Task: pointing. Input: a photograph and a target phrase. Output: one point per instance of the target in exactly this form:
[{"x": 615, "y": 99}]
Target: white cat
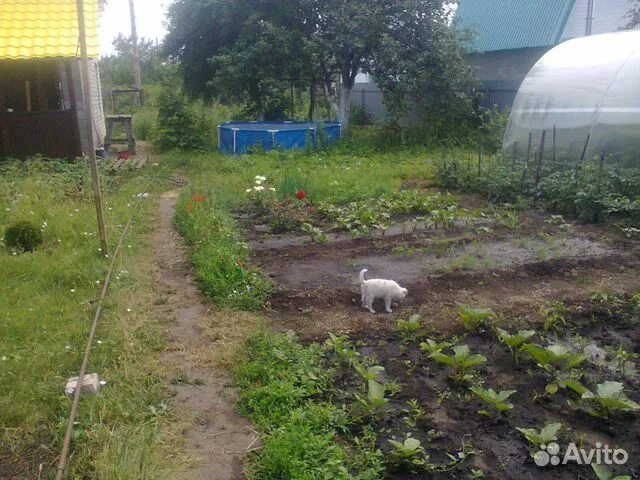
[{"x": 379, "y": 288}]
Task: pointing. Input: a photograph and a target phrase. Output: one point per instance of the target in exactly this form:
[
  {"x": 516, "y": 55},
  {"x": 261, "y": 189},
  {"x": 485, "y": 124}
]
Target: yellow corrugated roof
[{"x": 46, "y": 28}]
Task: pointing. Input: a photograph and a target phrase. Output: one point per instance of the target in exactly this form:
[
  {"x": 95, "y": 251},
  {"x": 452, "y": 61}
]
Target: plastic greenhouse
[{"x": 579, "y": 102}]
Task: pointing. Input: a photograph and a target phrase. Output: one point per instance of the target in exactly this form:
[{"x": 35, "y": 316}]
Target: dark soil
[
  {"x": 501, "y": 452},
  {"x": 513, "y": 271}
]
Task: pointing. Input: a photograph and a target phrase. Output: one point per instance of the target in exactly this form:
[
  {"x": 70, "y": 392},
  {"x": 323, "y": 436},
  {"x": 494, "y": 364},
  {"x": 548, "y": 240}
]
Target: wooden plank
[
  {"x": 119, "y": 163},
  {"x": 140, "y": 162}
]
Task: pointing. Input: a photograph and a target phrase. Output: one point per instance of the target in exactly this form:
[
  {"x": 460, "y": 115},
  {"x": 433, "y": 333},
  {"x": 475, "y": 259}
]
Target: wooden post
[
  {"x": 93, "y": 163},
  {"x": 136, "y": 54},
  {"x": 581, "y": 159},
  {"x": 528, "y": 157},
  {"x": 553, "y": 146},
  {"x": 539, "y": 159},
  {"x": 27, "y": 94}
]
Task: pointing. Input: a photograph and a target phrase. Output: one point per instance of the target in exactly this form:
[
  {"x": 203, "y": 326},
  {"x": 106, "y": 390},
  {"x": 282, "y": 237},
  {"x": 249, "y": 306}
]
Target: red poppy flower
[
  {"x": 240, "y": 263},
  {"x": 301, "y": 195},
  {"x": 199, "y": 198}
]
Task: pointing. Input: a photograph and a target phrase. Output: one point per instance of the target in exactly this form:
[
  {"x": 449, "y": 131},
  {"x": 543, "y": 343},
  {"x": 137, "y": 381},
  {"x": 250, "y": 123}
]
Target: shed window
[{"x": 30, "y": 86}]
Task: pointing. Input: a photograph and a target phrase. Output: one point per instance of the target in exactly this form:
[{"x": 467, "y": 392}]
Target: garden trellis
[{"x": 579, "y": 104}]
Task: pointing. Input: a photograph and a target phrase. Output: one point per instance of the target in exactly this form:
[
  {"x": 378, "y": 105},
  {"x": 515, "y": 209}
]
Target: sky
[{"x": 115, "y": 19}]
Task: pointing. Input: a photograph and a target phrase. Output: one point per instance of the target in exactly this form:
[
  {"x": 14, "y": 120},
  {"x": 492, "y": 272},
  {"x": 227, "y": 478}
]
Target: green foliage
[
  {"x": 371, "y": 373},
  {"x": 23, "y": 236},
  {"x": 555, "y": 315},
  {"x": 546, "y": 435},
  {"x": 474, "y": 319},
  {"x": 462, "y": 363},
  {"x": 621, "y": 358},
  {"x": 316, "y": 234},
  {"x": 431, "y": 346},
  {"x": 515, "y": 341},
  {"x": 410, "y": 452},
  {"x": 603, "y": 473},
  {"x": 558, "y": 362},
  {"x": 343, "y": 348},
  {"x": 362, "y": 216},
  {"x": 609, "y": 399},
  {"x": 178, "y": 126},
  {"x": 409, "y": 328},
  {"x": 220, "y": 256},
  {"x": 495, "y": 400},
  {"x": 47, "y": 300}
]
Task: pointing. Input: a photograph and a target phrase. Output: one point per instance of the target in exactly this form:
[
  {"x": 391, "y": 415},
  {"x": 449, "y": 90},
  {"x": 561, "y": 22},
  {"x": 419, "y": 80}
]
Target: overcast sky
[{"x": 115, "y": 19}]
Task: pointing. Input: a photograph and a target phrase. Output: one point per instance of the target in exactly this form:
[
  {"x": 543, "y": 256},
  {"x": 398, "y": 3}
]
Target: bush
[
  {"x": 178, "y": 125},
  {"x": 23, "y": 236}
]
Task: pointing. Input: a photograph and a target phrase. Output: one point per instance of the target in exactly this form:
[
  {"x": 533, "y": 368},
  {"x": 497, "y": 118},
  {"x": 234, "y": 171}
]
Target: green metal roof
[{"x": 511, "y": 24}]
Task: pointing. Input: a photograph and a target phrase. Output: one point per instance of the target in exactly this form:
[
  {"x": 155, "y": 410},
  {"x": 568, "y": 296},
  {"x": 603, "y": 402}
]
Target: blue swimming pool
[{"x": 240, "y": 137}]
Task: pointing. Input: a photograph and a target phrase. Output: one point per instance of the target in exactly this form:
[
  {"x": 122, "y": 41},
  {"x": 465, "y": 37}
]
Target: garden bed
[{"x": 522, "y": 265}]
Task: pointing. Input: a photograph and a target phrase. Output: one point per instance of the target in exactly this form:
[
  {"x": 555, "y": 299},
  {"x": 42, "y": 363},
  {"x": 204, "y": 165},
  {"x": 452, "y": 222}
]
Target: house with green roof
[{"x": 510, "y": 36}]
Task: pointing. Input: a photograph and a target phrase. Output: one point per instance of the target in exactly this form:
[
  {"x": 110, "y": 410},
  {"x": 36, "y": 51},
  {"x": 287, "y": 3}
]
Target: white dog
[{"x": 379, "y": 288}]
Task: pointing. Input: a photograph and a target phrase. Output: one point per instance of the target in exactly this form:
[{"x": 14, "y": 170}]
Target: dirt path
[{"x": 215, "y": 435}]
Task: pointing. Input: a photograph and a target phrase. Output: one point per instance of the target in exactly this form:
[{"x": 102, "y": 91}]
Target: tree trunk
[
  {"x": 344, "y": 107},
  {"x": 312, "y": 100}
]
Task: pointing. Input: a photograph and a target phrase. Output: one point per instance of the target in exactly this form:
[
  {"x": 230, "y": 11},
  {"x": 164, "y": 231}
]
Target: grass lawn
[{"x": 46, "y": 308}]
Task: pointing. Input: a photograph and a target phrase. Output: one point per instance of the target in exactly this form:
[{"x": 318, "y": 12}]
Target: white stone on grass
[{"x": 90, "y": 384}]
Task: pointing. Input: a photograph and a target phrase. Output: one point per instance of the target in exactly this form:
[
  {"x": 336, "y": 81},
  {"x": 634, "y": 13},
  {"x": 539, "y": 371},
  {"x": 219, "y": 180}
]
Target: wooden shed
[{"x": 41, "y": 95}]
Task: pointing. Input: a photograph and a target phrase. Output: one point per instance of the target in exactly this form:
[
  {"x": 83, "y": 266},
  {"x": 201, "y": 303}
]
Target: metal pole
[
  {"x": 136, "y": 53},
  {"x": 86, "y": 93}
]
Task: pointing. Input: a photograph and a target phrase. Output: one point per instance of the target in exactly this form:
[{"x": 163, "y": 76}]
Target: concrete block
[{"x": 90, "y": 384}]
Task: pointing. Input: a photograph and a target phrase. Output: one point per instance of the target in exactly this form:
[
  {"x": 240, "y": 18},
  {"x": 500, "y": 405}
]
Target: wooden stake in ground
[
  {"x": 95, "y": 179},
  {"x": 136, "y": 54}
]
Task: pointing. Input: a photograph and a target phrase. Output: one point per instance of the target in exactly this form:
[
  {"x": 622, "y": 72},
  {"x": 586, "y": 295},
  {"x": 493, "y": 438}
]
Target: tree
[
  {"x": 252, "y": 50},
  {"x": 633, "y": 14},
  {"x": 421, "y": 67}
]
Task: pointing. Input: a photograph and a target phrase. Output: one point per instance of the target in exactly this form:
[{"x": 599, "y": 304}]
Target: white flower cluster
[{"x": 258, "y": 186}]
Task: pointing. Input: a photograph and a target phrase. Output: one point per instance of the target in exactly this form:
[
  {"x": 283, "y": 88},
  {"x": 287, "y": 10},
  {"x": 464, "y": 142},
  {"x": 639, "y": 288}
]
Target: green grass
[
  {"x": 46, "y": 307},
  {"x": 283, "y": 386}
]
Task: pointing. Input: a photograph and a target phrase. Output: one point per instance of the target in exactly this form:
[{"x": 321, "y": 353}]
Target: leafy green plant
[
  {"x": 375, "y": 396},
  {"x": 555, "y": 315},
  {"x": 604, "y": 473},
  {"x": 474, "y": 319},
  {"x": 546, "y": 435},
  {"x": 409, "y": 452},
  {"x": 431, "y": 346},
  {"x": 343, "y": 348},
  {"x": 462, "y": 363},
  {"x": 622, "y": 358},
  {"x": 608, "y": 399},
  {"x": 415, "y": 414},
  {"x": 509, "y": 218},
  {"x": 496, "y": 401},
  {"x": 371, "y": 373},
  {"x": 515, "y": 341},
  {"x": 316, "y": 234},
  {"x": 409, "y": 328},
  {"x": 23, "y": 236},
  {"x": 558, "y": 362}
]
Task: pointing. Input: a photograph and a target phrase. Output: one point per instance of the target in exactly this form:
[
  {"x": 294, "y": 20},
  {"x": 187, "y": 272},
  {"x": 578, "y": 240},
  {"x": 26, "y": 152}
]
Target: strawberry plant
[
  {"x": 558, "y": 362},
  {"x": 515, "y": 341},
  {"x": 316, "y": 234},
  {"x": 548, "y": 434},
  {"x": 462, "y": 363},
  {"x": 371, "y": 373},
  {"x": 375, "y": 396},
  {"x": 474, "y": 319},
  {"x": 604, "y": 473},
  {"x": 408, "y": 329},
  {"x": 410, "y": 452},
  {"x": 554, "y": 315},
  {"x": 609, "y": 399},
  {"x": 431, "y": 346},
  {"x": 496, "y": 401},
  {"x": 343, "y": 348}
]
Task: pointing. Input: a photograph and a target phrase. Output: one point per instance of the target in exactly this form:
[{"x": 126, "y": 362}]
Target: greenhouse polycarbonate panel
[{"x": 586, "y": 90}]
